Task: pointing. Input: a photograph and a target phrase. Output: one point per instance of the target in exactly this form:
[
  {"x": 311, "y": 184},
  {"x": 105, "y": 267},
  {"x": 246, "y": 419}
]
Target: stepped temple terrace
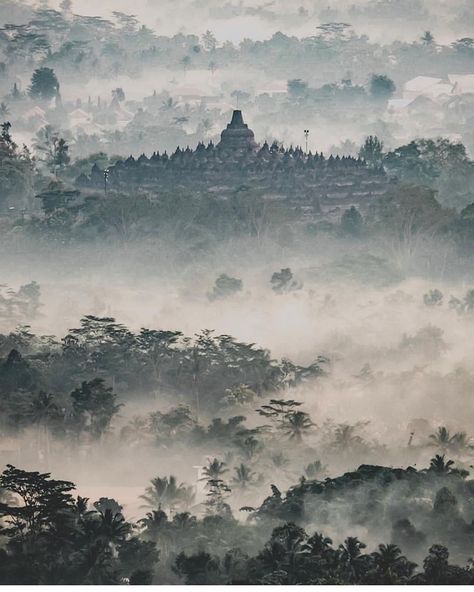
[{"x": 306, "y": 179}]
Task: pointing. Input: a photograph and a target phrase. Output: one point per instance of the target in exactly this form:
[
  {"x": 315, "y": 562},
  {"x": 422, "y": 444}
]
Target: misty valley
[{"x": 236, "y": 293}]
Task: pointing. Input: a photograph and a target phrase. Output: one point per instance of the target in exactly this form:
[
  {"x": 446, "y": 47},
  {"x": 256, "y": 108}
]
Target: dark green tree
[
  {"x": 94, "y": 405},
  {"x": 372, "y": 151},
  {"x": 352, "y": 222},
  {"x": 44, "y": 84},
  {"x": 381, "y": 87},
  {"x": 225, "y": 286}
]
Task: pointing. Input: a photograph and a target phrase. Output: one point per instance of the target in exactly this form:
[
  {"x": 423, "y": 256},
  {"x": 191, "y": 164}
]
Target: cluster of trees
[
  {"x": 58, "y": 41},
  {"x": 200, "y": 370},
  {"x": 462, "y": 305},
  {"x": 72, "y": 216},
  {"x": 438, "y": 163},
  {"x": 51, "y": 537},
  {"x": 334, "y": 96},
  {"x": 17, "y": 172},
  {"x": 281, "y": 282},
  {"x": 66, "y": 40},
  {"x": 292, "y": 557},
  {"x": 206, "y": 390},
  {"x": 409, "y": 214}
]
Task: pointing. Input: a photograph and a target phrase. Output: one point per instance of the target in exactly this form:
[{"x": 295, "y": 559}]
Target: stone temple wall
[{"x": 238, "y": 161}]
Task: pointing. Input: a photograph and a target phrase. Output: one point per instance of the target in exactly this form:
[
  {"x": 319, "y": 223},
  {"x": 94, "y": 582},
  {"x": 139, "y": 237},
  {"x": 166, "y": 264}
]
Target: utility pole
[
  {"x": 106, "y": 176},
  {"x": 306, "y": 134}
]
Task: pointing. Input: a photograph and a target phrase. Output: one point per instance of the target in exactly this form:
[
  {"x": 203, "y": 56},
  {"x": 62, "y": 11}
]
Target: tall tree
[
  {"x": 372, "y": 151},
  {"x": 166, "y": 493},
  {"x": 95, "y": 405},
  {"x": 44, "y": 84}
]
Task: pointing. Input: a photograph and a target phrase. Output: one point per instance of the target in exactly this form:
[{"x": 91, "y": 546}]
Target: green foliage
[
  {"x": 427, "y": 38},
  {"x": 381, "y": 87},
  {"x": 466, "y": 305},
  {"x": 52, "y": 538},
  {"x": 52, "y": 150},
  {"x": 352, "y": 222},
  {"x": 17, "y": 374},
  {"x": 315, "y": 470},
  {"x": 16, "y": 170},
  {"x": 433, "y": 298},
  {"x": 84, "y": 165},
  {"x": 44, "y": 84},
  {"x": 166, "y": 493},
  {"x": 94, "y": 406},
  {"x": 297, "y": 87},
  {"x": 437, "y": 163},
  {"x": 293, "y": 422},
  {"x": 292, "y": 557},
  {"x": 372, "y": 151},
  {"x": 225, "y": 286},
  {"x": 409, "y": 212},
  {"x": 283, "y": 281},
  {"x": 464, "y": 229},
  {"x": 42, "y": 501}
]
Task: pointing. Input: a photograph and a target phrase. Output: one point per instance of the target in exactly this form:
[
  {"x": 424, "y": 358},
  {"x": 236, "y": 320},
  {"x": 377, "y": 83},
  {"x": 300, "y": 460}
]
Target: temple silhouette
[{"x": 309, "y": 180}]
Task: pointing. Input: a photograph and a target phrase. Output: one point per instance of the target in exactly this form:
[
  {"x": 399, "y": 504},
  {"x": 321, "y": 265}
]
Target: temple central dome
[{"x": 237, "y": 135}]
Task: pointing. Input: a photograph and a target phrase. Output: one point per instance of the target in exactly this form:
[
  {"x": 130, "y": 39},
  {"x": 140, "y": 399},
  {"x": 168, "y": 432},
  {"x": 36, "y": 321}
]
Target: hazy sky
[{"x": 194, "y": 16}]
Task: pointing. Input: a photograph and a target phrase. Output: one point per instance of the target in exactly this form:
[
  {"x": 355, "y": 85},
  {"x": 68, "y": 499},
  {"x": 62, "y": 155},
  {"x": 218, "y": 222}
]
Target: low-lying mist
[{"x": 398, "y": 367}]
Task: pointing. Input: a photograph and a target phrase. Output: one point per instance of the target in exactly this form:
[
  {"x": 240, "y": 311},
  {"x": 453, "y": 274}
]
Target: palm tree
[
  {"x": 439, "y": 466},
  {"x": 244, "y": 477},
  {"x": 112, "y": 527},
  {"x": 250, "y": 446},
  {"x": 442, "y": 439},
  {"x": 345, "y": 436},
  {"x": 184, "y": 521},
  {"x": 461, "y": 441},
  {"x": 81, "y": 505},
  {"x": 272, "y": 556},
  {"x": 165, "y": 492},
  {"x": 296, "y": 424},
  {"x": 214, "y": 470},
  {"x": 279, "y": 460},
  {"x": 154, "y": 522},
  {"x": 156, "y": 527},
  {"x": 315, "y": 469},
  {"x": 137, "y": 430},
  {"x": 290, "y": 538},
  {"x": 392, "y": 566},
  {"x": 94, "y": 563},
  {"x": 350, "y": 553},
  {"x": 317, "y": 544}
]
